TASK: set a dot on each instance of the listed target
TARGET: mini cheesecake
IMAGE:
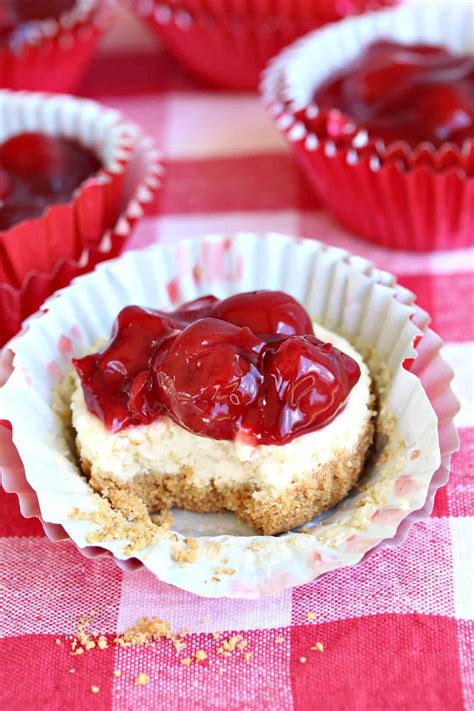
(241, 405)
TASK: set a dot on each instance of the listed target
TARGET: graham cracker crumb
(191, 543)
(90, 644)
(102, 642)
(415, 454)
(225, 571)
(201, 655)
(95, 689)
(117, 673)
(186, 661)
(248, 656)
(303, 660)
(58, 641)
(121, 516)
(310, 615)
(142, 679)
(144, 632)
(183, 555)
(217, 635)
(318, 647)
(279, 640)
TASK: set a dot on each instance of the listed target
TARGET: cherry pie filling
(397, 92)
(17, 16)
(247, 366)
(37, 170)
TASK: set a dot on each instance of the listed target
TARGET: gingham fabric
(396, 630)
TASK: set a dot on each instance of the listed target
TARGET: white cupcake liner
(345, 294)
(378, 190)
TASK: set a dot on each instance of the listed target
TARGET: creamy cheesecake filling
(167, 448)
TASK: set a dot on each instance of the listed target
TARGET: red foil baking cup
(56, 53)
(39, 256)
(228, 43)
(418, 199)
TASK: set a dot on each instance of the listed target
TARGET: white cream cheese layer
(166, 448)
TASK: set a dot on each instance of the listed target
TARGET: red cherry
(265, 312)
(312, 380)
(208, 376)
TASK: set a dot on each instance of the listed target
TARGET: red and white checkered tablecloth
(397, 630)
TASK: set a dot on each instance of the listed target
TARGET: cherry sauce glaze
(37, 170)
(411, 93)
(248, 365)
(17, 16)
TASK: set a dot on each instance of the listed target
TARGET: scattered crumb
(191, 543)
(225, 571)
(214, 579)
(58, 641)
(415, 454)
(142, 679)
(279, 640)
(79, 650)
(302, 660)
(310, 615)
(318, 647)
(95, 689)
(184, 555)
(121, 516)
(117, 673)
(248, 656)
(217, 635)
(144, 632)
(186, 661)
(243, 644)
(201, 655)
(90, 644)
(102, 642)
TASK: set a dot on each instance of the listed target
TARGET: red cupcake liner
(228, 42)
(418, 199)
(57, 52)
(71, 239)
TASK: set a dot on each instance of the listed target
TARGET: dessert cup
(415, 435)
(420, 198)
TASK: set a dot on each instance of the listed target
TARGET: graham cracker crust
(266, 512)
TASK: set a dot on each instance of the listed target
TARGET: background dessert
(228, 43)
(47, 45)
(44, 251)
(396, 193)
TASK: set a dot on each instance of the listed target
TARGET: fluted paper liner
(55, 53)
(228, 43)
(40, 255)
(415, 199)
(343, 293)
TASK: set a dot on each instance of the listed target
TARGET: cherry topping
(265, 312)
(217, 378)
(40, 170)
(411, 93)
(15, 16)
